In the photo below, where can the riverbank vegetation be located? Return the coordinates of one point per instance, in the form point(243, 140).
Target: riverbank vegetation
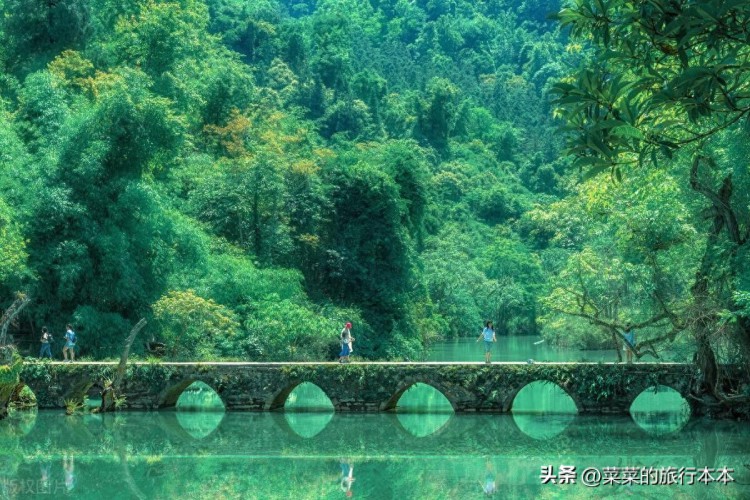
point(250, 175)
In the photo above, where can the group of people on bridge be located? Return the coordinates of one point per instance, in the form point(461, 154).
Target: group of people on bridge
point(488, 335)
point(69, 348)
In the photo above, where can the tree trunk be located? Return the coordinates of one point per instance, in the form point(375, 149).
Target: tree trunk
point(109, 394)
point(10, 314)
point(706, 311)
point(704, 319)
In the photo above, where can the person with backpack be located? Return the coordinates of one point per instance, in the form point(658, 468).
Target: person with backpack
point(70, 343)
point(46, 341)
point(346, 343)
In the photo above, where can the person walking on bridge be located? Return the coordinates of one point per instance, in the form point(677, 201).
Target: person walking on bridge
point(629, 339)
point(346, 343)
point(70, 343)
point(488, 334)
point(45, 340)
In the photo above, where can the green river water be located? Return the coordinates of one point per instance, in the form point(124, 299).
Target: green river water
point(421, 451)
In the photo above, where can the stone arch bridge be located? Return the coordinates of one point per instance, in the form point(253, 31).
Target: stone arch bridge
point(607, 388)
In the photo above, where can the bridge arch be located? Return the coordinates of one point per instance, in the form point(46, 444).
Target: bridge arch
point(52, 392)
point(308, 397)
point(644, 387)
point(23, 396)
point(201, 397)
point(169, 396)
point(507, 405)
point(278, 400)
point(660, 409)
point(392, 402)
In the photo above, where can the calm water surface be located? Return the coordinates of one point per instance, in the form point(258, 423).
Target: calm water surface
point(521, 349)
point(422, 451)
point(179, 454)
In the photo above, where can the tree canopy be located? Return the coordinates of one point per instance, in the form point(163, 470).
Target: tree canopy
point(666, 85)
point(250, 176)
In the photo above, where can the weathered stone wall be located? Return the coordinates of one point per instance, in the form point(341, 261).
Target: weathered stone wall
point(595, 388)
point(10, 367)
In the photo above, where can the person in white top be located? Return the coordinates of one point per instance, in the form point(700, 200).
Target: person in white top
point(488, 334)
point(346, 343)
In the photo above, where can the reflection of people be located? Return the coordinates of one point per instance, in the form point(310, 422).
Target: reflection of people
point(44, 486)
point(488, 334)
point(70, 469)
point(70, 343)
point(629, 336)
point(45, 340)
point(347, 476)
point(346, 343)
point(489, 487)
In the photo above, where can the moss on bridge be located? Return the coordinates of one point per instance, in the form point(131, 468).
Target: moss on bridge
point(10, 371)
point(470, 387)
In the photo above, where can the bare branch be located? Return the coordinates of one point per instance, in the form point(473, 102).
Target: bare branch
point(22, 300)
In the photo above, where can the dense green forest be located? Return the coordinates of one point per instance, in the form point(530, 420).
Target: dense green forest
point(250, 175)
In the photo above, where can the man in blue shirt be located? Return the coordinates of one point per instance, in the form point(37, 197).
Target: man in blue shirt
point(488, 334)
point(629, 337)
point(70, 343)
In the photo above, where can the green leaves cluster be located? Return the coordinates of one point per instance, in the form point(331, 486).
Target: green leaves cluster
point(193, 326)
point(661, 76)
point(666, 83)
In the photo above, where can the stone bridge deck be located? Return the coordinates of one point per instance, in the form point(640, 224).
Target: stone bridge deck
point(606, 388)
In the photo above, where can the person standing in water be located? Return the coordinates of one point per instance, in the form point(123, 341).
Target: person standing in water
point(488, 334)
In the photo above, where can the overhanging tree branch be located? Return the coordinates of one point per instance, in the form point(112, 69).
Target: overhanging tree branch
point(22, 300)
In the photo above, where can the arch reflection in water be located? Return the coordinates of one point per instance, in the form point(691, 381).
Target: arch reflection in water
point(542, 410)
point(199, 410)
point(660, 410)
point(307, 424)
point(18, 423)
point(199, 424)
point(22, 410)
point(308, 410)
point(423, 424)
point(542, 426)
point(423, 410)
point(199, 397)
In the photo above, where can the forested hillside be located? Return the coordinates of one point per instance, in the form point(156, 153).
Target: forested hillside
point(250, 175)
